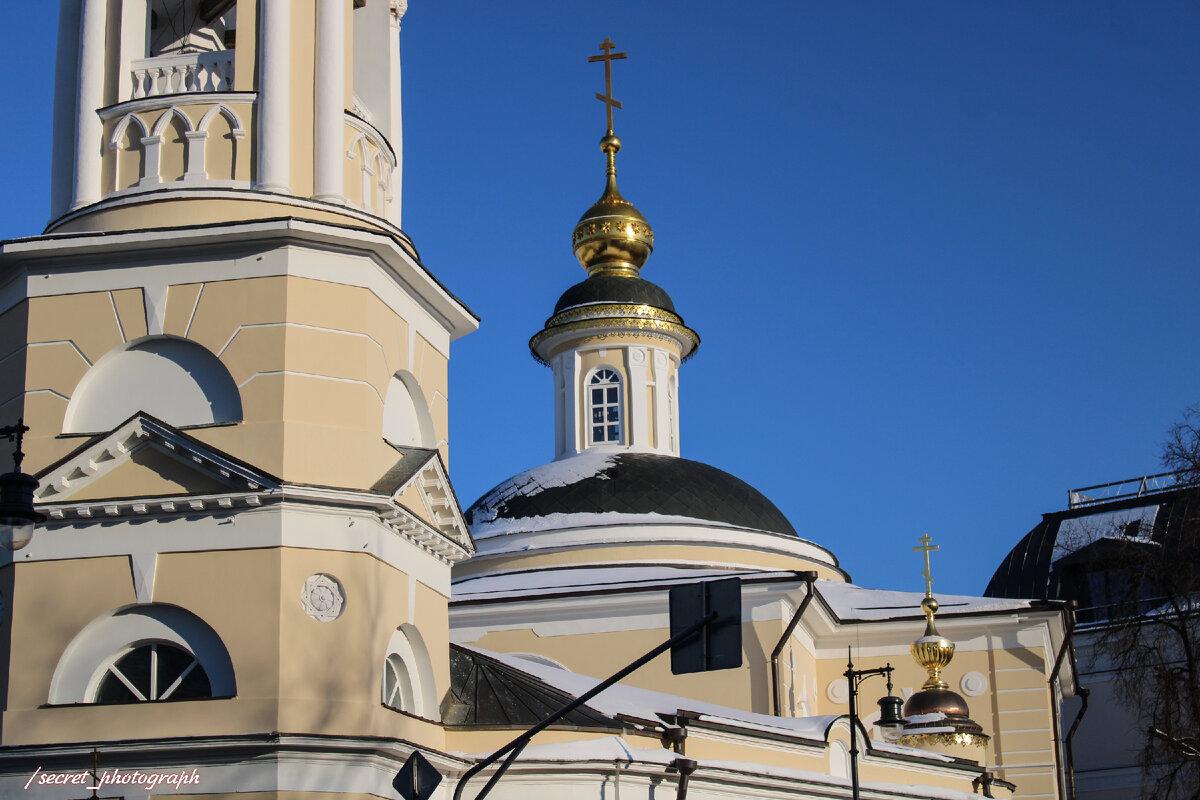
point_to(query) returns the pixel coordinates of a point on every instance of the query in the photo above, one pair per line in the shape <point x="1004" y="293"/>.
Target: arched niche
<point x="406" y="418"/>
<point x="173" y="379"/>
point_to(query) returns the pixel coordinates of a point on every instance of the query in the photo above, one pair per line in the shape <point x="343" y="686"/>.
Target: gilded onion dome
<point x="612" y="237"/>
<point x="612" y="241"/>
<point x="936" y="715"/>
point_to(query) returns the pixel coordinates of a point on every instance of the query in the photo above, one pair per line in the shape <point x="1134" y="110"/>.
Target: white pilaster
<point x="662" y="400"/>
<point x="637" y="423"/>
<point x="329" y="102"/>
<point x="274" y="112"/>
<point x="135" y="44"/>
<point x="196" y="141"/>
<point x="572" y="437"/>
<point x="66" y="72"/>
<point x="396" y="128"/>
<point x="561" y="391"/>
<point x="89" y="96"/>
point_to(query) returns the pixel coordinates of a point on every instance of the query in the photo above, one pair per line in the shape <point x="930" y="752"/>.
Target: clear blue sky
<point x="944" y="257"/>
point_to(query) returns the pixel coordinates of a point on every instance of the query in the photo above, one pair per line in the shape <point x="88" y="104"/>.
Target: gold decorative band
<point x="613" y="310"/>
<point x="676" y="331"/>
<point x="946" y="739"/>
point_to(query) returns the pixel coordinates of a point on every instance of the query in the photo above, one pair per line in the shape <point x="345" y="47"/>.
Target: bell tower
<point x="166" y="110"/>
<point x="233" y="364"/>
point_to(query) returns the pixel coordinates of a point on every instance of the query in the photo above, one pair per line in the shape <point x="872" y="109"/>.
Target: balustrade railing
<point x="189" y="72"/>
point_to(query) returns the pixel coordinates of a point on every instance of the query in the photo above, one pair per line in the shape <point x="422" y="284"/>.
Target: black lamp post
<point x="891" y="721"/>
<point x="17" y="515"/>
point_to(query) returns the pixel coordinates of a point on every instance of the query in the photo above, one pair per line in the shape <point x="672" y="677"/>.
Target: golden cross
<point x="607" y="98"/>
<point x="927" y="548"/>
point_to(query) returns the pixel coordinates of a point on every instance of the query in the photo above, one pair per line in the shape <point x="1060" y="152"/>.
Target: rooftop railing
<point x="1119" y="490"/>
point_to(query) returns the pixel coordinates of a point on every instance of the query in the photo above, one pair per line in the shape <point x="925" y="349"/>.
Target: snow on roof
<point x="554" y="581"/>
<point x="1077" y="532"/>
<point x="485" y="528"/>
<point x="649" y="705"/>
<point x="614" y="748"/>
<point x="562" y="472"/>
<point x="854" y="602"/>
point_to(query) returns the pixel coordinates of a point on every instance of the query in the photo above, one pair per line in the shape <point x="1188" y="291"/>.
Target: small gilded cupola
<point x="937" y="717"/>
<point x="615" y="340"/>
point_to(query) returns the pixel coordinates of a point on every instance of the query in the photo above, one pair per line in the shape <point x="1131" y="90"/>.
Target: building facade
<point x="254" y="570"/>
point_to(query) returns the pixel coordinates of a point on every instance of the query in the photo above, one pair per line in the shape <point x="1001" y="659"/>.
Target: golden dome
<point x="936" y="715"/>
<point x="612" y="237"/>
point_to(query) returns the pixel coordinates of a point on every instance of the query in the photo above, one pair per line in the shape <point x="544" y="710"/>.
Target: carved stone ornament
<point x="974" y="684"/>
<point x="399" y="9"/>
<point x="838" y="691"/>
<point x="323" y="598"/>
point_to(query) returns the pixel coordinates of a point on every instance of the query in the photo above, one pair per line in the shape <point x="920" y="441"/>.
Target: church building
<point x="254" y="578"/>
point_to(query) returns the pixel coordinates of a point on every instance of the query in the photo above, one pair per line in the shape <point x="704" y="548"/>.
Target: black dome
<point x="1053" y="560"/>
<point x="614" y="289"/>
<point x="629" y="483"/>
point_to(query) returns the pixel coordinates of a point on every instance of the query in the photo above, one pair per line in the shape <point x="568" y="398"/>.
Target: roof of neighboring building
<point x="1029" y="569"/>
<point x="622" y="487"/>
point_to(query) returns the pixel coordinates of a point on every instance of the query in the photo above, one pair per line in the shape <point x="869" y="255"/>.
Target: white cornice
<point x="35" y="257"/>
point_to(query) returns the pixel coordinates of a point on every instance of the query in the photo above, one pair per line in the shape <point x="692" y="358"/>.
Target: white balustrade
<point x="189" y="72"/>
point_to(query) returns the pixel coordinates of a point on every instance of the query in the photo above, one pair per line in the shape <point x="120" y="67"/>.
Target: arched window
<point x="153" y="671"/>
<point x="408" y="683"/>
<point x="397" y="685"/>
<point x="604" y="401"/>
<point x="142" y="654"/>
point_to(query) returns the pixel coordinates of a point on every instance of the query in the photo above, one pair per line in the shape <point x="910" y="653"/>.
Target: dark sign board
<point x="718" y="645"/>
<point x="417" y="779"/>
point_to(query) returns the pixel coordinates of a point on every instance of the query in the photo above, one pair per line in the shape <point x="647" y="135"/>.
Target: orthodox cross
<point x="607" y="98"/>
<point x="926" y="547"/>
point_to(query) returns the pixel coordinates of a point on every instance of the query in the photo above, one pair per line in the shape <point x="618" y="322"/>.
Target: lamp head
<point x="17" y="515"/>
<point x="891" y="718"/>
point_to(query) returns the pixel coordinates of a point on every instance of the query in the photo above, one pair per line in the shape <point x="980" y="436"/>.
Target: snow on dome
<point x="607" y="488"/>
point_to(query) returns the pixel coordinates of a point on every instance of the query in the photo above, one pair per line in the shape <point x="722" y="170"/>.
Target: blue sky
<point x="944" y="257"/>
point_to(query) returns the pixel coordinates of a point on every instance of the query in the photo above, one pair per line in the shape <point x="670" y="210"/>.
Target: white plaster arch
<point x="228" y="113"/>
<point x="119" y="130"/>
<point x="839" y="759"/>
<point x="406" y="418"/>
<point x="164" y="119"/>
<point x="173" y="379"/>
<point x="407" y="644"/>
<point x="85" y="660"/>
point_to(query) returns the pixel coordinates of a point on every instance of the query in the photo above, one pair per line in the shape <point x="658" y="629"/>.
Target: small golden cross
<point x="607" y="98"/>
<point x="927" y="548"/>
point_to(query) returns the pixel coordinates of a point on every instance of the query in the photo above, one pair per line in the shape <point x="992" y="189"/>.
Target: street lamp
<point x="17" y="515"/>
<point x="891" y="723"/>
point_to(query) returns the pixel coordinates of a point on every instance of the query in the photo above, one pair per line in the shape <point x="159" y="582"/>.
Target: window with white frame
<point x="153" y="671"/>
<point x="604" y="403"/>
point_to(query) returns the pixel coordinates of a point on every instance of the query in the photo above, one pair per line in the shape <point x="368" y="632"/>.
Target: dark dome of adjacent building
<point x="614" y="289"/>
<point x="1052" y="561"/>
<point x="629" y="484"/>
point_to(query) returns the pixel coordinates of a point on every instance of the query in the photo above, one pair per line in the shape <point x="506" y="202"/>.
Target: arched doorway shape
<point x="173" y="379"/>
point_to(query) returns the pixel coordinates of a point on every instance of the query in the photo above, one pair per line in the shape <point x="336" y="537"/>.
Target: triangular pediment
<point x="146" y="458"/>
<point x="419" y="482"/>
